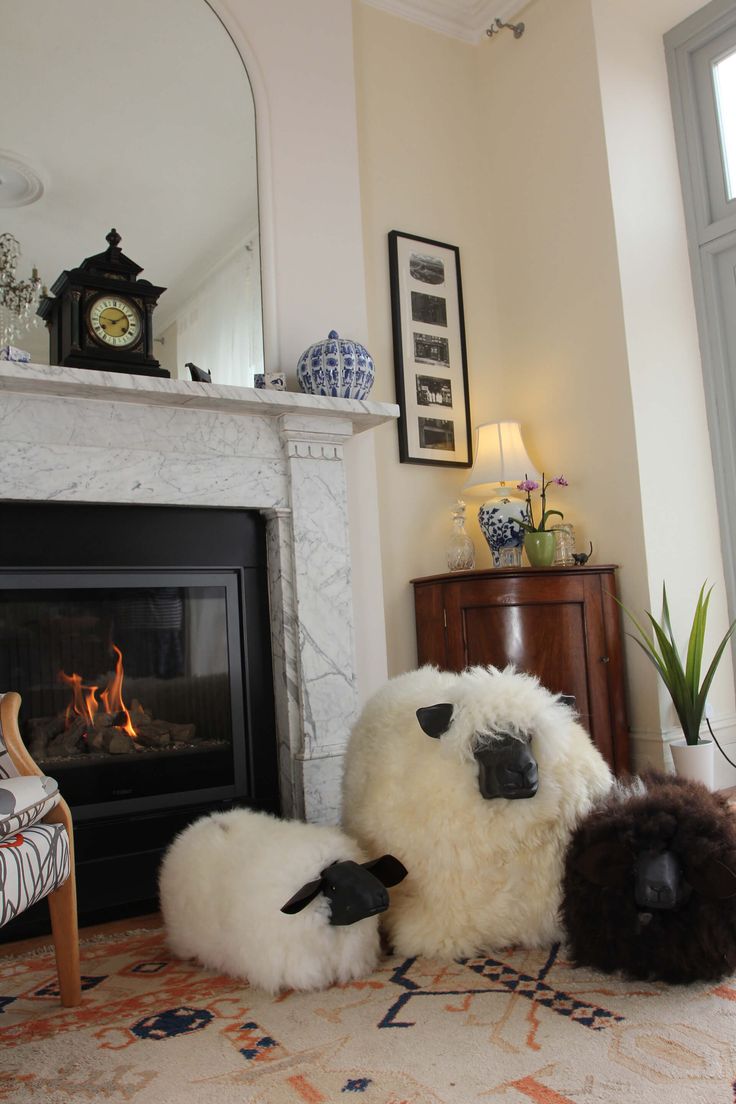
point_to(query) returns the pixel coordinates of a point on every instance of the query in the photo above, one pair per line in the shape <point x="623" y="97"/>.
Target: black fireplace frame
<point x="118" y="849"/>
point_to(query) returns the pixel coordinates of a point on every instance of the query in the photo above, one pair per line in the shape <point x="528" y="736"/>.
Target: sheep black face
<point x="658" y="883"/>
<point x="650" y="884"/>
<point x="354" y="890"/>
<point x="506" y="765"/>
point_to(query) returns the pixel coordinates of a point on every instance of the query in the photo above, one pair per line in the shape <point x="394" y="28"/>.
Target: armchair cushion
<point x="24" y="800"/>
<point x="32" y="864"/>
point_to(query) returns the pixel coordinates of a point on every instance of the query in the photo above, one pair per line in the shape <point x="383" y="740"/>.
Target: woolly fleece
<point x="606" y="927"/>
<point x="223" y="882"/>
<point x="482" y="873"/>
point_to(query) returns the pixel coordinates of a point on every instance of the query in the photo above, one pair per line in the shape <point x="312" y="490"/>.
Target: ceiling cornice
<point x="467" y="20"/>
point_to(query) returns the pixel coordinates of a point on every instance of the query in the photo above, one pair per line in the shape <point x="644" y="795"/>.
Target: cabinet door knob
<point x="605" y="659"/>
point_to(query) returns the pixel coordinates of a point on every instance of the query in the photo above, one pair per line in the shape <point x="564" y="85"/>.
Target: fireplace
<point x="77" y="438"/>
<point x="138" y="638"/>
<point x="156" y="719"/>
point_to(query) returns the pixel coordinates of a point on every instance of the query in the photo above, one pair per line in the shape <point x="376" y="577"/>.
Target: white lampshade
<point x="500" y="458"/>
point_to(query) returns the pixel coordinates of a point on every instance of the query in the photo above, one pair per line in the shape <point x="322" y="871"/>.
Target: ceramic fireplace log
<point x="113" y="740"/>
<point x="49" y="737"/>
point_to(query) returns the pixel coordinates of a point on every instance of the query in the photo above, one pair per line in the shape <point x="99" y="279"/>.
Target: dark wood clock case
<point x="72" y="340"/>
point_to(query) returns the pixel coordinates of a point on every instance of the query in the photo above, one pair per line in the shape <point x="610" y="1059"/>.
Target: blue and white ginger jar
<point x="343" y="369"/>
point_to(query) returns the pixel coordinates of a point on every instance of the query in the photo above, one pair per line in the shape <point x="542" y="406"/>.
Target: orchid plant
<point x="530" y="485"/>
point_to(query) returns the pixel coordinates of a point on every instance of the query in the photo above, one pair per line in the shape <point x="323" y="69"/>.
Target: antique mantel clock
<point x="101" y="315"/>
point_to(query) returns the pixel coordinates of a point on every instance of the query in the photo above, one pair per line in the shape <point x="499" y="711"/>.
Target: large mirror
<point x="138" y="115"/>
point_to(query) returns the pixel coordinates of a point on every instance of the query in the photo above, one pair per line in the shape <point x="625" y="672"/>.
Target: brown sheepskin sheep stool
<point x="650" y="883"/>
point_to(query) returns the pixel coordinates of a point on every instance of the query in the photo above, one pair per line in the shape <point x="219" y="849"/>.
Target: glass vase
<point x="460" y="548"/>
<point x="564" y="545"/>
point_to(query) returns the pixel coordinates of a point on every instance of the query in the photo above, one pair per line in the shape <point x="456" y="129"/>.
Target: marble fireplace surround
<point x="69" y="435"/>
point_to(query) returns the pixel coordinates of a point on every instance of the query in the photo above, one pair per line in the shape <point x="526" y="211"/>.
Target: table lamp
<point x="501" y="462"/>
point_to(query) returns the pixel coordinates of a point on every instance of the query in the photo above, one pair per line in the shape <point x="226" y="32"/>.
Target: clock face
<point x="115" y="321"/>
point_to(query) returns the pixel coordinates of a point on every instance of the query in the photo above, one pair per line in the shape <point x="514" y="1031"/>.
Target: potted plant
<point x="539" y="542"/>
<point x="692" y="756"/>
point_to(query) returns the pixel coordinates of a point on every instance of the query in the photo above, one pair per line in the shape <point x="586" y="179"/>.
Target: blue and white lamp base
<point x="499" y="523"/>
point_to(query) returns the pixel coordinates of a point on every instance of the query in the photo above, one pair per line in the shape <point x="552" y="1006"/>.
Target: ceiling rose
<point x="19" y="183"/>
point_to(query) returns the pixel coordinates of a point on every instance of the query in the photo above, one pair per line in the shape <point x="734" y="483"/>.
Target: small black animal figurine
<point x="199" y="375"/>
<point x="581" y="558"/>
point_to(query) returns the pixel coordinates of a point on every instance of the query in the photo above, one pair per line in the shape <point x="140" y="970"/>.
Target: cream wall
<point x="300" y="61"/>
<point x="521" y="153"/>
<point x="675" y="466"/>
<point x="421" y="172"/>
<point x="523" y="191"/>
<point x="559" y="184"/>
<point x="563" y="343"/>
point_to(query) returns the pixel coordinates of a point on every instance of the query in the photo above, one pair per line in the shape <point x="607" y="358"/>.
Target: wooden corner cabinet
<point x="559" y="623"/>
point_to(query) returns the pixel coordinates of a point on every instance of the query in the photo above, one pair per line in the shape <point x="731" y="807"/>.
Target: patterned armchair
<point x="36" y="848"/>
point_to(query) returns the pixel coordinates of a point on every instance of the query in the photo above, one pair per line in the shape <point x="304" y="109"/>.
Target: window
<point x="701" y="59"/>
<point x="724" y="81"/>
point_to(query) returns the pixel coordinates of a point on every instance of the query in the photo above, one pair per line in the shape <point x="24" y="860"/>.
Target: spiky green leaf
<point x="703" y="693"/>
<point x="695" y="643"/>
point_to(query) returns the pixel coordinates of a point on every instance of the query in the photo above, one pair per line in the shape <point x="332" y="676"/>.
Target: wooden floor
<point x="22" y="946"/>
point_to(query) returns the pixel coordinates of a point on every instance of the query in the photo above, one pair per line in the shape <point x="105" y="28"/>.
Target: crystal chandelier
<point x="18" y="298"/>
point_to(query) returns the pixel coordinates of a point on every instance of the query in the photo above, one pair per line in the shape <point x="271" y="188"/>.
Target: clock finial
<point x="113" y="238"/>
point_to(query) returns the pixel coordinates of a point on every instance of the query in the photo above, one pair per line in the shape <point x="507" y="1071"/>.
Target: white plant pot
<point x="694" y="761"/>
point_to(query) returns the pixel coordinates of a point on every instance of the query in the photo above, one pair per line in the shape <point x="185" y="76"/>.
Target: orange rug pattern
<point x="517" y="1027"/>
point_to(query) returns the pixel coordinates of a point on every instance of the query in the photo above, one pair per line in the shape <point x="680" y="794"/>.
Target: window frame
<point x="710" y="217"/>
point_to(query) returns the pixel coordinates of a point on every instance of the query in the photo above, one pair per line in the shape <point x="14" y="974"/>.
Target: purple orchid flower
<point x="529" y="485"/>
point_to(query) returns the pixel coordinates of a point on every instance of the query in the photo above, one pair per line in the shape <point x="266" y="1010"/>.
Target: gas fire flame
<point x="84" y="701"/>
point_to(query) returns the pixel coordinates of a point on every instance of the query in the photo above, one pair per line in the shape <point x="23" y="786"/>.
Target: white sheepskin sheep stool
<point x="231" y="884"/>
<point x="480" y="815"/>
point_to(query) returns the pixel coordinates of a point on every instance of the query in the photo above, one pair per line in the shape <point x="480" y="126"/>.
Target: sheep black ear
<point x="302" y="897"/>
<point x="604" y="864"/>
<point x="435" y="719"/>
<point x="714" y="879"/>
<point x="387" y="869"/>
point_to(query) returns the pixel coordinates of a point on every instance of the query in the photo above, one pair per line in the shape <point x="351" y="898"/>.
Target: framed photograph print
<point x="429" y="351"/>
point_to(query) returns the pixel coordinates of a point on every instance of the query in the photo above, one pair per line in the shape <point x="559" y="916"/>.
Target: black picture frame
<point x="430" y="353"/>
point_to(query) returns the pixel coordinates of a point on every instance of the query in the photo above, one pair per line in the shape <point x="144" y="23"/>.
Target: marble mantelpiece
<point x="78" y="436"/>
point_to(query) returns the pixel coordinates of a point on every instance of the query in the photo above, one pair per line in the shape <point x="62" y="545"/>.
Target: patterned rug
<point x="520" y="1027"/>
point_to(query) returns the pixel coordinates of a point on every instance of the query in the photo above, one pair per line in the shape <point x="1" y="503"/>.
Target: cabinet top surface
<point x="514" y="573"/>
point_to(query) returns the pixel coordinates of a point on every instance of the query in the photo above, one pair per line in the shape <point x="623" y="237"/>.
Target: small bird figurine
<point x="581" y="558"/>
<point x="200" y="375"/>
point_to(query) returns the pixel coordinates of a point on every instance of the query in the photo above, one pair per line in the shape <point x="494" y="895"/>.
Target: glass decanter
<point x="460" y="548"/>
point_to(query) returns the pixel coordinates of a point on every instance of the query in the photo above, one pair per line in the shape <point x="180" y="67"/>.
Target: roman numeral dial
<point x="114" y="321"/>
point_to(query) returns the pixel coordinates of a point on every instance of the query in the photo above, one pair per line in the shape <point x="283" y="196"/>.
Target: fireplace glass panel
<point x="131" y="682"/>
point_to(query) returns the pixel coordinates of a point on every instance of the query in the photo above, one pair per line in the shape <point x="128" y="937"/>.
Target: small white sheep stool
<point x="480" y="815"/>
<point x="231" y="883"/>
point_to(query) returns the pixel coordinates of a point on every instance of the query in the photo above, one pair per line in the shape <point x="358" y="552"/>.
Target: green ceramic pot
<point x="540" y="548"/>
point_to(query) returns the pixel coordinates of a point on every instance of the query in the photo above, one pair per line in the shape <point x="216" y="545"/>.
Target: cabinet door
<point x="552" y="628"/>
